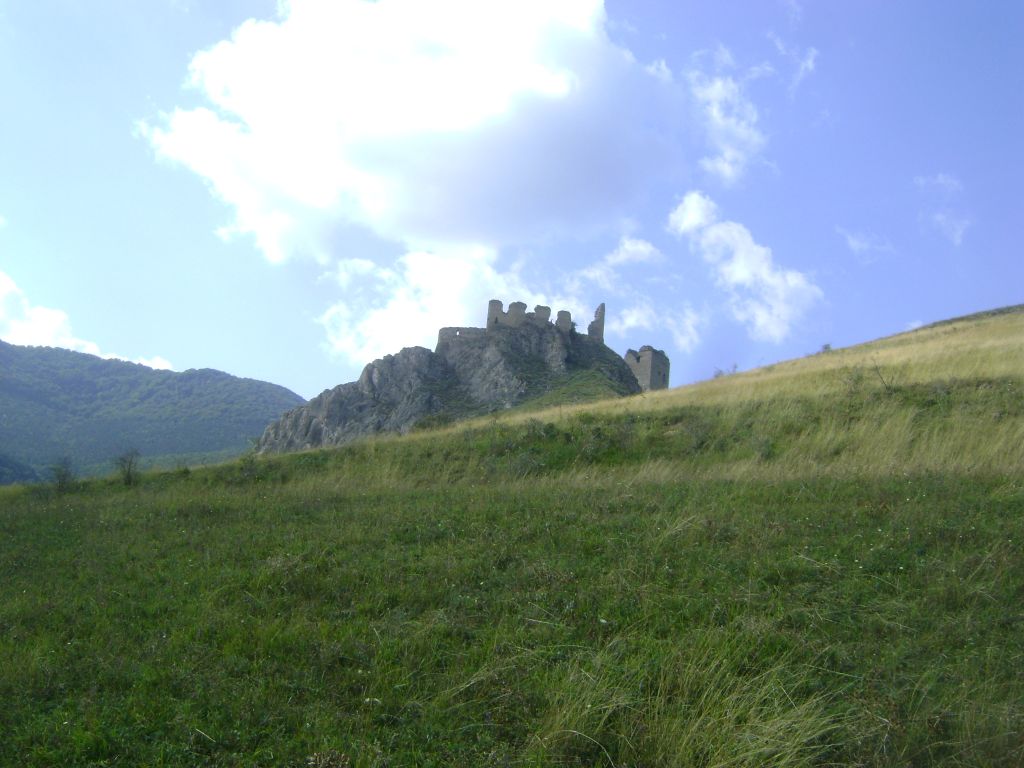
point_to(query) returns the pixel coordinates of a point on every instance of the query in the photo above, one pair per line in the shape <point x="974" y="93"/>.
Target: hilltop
<point x="815" y="563"/>
<point x="55" y="403"/>
<point x="519" y="358"/>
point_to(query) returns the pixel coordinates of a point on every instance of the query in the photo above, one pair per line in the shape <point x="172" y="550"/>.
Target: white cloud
<point x="641" y="311"/>
<point x="157" y="363"/>
<point x="659" y="69"/>
<point x="638" y="316"/>
<point x="804" y="61"/>
<point x="405" y="305"/>
<point x="941" y="190"/>
<point x="730" y="124"/>
<point x="765" y="297"/>
<point x="454" y="129"/>
<point x="632" y="250"/>
<point x="685" y="327"/>
<point x="432" y="124"/>
<point x="696" y="211"/>
<point x="865" y="245"/>
<point x="348" y="270"/>
<point x="805" y="66"/>
<point x="27" y="324"/>
<point x="723" y="58"/>
<point x="794" y="11"/>
<point x="944" y="182"/>
<point x="950" y="225"/>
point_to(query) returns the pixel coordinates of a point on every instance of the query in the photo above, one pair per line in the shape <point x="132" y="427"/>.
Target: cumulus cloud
<point x="685" y="327"/>
<point x="22" y="322"/>
<point x="766" y="298"/>
<point x="730" y="122"/>
<point x="695" y="212"/>
<point x="639" y="312"/>
<point x="28" y="324"/>
<point x="431" y="124"/>
<point x="456" y="130"/>
<point x="605" y="272"/>
<point x="635" y="317"/>
<point x="405" y="304"/>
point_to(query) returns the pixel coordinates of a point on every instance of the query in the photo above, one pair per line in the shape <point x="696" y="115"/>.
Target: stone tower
<point x="596" y="328"/>
<point x="650" y="366"/>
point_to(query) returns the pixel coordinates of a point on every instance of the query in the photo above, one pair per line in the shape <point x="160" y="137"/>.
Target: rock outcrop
<point x="472" y="371"/>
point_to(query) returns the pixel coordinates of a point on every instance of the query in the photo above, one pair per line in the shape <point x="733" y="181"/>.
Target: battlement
<point x="517" y="316"/>
<point x="650" y="366"/>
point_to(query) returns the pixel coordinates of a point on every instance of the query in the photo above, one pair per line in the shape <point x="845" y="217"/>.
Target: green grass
<point x="828" y="572"/>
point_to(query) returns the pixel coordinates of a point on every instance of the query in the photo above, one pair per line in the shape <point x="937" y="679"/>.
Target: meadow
<point x="815" y="563"/>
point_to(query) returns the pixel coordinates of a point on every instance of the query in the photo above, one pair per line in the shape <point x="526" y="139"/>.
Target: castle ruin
<point x="650" y="366"/>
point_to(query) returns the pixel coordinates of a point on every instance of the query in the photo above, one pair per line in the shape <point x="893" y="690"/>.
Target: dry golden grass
<point x="887" y="437"/>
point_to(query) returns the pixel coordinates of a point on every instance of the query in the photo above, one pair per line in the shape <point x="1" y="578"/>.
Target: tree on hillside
<point x="128" y="466"/>
<point x="62" y="473"/>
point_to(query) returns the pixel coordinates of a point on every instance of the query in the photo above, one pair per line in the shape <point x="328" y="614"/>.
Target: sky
<point x="288" y="190"/>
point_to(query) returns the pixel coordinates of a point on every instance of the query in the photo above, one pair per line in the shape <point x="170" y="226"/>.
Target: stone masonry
<point x="517" y="316"/>
<point x="650" y="366"/>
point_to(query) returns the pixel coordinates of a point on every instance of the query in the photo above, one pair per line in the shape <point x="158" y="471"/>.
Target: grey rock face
<point x="473" y="371"/>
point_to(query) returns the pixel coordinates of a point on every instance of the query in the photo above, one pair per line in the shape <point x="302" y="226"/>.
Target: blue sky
<point x="286" y="191"/>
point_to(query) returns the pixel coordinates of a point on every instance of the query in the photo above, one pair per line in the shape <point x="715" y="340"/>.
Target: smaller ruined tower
<point x="650" y="366"/>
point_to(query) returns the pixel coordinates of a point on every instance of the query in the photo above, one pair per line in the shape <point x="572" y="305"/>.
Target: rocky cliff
<point x="471" y="372"/>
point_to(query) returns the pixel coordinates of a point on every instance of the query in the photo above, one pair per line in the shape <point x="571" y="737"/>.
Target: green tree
<point x="62" y="473"/>
<point x="128" y="466"/>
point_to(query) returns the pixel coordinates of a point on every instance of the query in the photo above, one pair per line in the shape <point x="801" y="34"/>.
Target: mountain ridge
<point x="57" y="403"/>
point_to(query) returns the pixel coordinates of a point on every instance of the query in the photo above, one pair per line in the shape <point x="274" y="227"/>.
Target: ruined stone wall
<point x="447" y="334"/>
<point x="517" y="315"/>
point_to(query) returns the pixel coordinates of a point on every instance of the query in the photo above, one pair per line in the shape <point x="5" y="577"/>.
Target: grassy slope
<point x="815" y="563"/>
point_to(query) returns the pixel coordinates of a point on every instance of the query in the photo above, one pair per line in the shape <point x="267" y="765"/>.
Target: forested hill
<point x="55" y="403"/>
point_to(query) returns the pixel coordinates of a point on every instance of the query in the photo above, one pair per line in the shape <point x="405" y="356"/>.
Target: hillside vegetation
<point x="55" y="403"/>
<point x="815" y="563"/>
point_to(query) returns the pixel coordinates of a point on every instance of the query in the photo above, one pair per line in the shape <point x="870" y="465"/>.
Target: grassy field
<point x="816" y="563"/>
